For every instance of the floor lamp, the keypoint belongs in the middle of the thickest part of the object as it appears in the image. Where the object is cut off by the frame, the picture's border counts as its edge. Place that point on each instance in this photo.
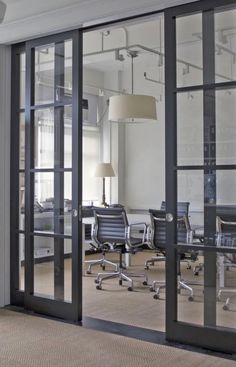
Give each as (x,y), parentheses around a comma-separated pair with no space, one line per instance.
(104,170)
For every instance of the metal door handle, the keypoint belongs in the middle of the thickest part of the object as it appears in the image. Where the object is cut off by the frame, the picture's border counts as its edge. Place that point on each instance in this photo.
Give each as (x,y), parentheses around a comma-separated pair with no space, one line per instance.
(75,213)
(169,217)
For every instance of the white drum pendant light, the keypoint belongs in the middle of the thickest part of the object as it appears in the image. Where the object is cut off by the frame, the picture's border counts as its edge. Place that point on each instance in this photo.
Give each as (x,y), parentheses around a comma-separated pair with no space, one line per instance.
(132,108)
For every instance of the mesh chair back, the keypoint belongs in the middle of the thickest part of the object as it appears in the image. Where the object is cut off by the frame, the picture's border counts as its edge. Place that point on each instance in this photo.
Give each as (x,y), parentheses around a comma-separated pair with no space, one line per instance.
(158,223)
(226,229)
(110,225)
(182,207)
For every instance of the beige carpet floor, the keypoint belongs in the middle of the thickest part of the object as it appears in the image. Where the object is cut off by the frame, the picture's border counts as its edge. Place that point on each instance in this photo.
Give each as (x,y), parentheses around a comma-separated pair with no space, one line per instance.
(27,341)
(138,308)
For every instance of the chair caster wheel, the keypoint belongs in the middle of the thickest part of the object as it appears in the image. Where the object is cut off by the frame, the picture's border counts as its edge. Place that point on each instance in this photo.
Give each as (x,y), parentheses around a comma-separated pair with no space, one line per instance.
(120,282)
(103,268)
(98,287)
(152,289)
(145,282)
(189,267)
(156,296)
(146,268)
(196,273)
(96,281)
(130,289)
(190,298)
(226,308)
(88,272)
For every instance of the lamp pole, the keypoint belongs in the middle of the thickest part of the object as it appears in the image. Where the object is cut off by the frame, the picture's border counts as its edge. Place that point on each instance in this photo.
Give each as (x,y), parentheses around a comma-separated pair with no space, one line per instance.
(103,193)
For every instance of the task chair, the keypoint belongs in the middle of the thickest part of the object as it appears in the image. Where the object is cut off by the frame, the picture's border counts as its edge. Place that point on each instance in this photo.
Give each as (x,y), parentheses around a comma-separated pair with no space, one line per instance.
(182,210)
(226,236)
(112,228)
(96,245)
(157,240)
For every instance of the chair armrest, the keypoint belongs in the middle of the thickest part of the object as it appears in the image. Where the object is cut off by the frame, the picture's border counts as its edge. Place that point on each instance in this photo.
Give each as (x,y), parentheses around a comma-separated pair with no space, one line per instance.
(144,225)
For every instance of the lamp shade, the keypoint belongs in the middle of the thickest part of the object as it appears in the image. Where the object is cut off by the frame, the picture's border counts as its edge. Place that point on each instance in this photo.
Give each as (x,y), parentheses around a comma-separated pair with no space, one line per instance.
(130,107)
(104,170)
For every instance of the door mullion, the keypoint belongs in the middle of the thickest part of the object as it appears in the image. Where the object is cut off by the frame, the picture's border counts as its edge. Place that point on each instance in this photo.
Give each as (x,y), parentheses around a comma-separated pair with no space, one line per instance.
(171,175)
(59,176)
(209,173)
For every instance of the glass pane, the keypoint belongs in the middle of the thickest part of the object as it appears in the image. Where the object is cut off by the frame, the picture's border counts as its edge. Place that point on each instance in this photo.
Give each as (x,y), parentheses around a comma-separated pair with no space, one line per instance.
(22,141)
(44,138)
(21,262)
(226,126)
(189,50)
(22,80)
(68,203)
(225,46)
(226,188)
(68,270)
(226,296)
(44,202)
(191,288)
(190,128)
(44,74)
(64,71)
(68,136)
(44,266)
(22,201)
(53,268)
(191,190)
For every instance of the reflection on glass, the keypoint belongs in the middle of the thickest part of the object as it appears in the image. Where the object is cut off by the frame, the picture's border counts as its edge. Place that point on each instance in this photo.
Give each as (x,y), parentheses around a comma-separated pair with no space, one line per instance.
(191,287)
(22,201)
(225,45)
(64,71)
(22,80)
(53,268)
(68,270)
(21,262)
(22,142)
(68,136)
(226,188)
(44,202)
(44,266)
(226,126)
(189,50)
(68,202)
(44,74)
(190,128)
(44,138)
(191,189)
(226,305)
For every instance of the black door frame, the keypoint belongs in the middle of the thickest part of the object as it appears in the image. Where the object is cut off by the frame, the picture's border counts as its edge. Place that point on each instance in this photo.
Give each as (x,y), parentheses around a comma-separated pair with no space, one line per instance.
(209,335)
(26,298)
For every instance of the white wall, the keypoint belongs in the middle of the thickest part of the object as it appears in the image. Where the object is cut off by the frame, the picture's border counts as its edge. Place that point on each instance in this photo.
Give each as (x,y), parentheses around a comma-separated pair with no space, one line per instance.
(5,78)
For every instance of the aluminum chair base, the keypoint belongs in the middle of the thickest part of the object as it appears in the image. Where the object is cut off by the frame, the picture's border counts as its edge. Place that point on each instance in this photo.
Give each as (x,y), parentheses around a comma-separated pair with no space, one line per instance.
(121,276)
(102,262)
(155,259)
(227,302)
(158,285)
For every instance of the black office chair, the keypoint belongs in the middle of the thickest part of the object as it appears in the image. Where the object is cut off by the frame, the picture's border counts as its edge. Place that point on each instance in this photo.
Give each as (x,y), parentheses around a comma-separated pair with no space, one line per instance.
(226,236)
(112,228)
(157,240)
(96,245)
(182,210)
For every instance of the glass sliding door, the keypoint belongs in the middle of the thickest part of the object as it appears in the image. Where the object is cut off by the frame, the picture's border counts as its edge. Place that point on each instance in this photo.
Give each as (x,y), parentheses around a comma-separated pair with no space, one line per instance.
(53,175)
(200,169)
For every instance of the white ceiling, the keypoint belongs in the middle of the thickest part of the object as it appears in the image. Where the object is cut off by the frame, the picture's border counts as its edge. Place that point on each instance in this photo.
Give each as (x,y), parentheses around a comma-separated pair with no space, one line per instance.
(27,19)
